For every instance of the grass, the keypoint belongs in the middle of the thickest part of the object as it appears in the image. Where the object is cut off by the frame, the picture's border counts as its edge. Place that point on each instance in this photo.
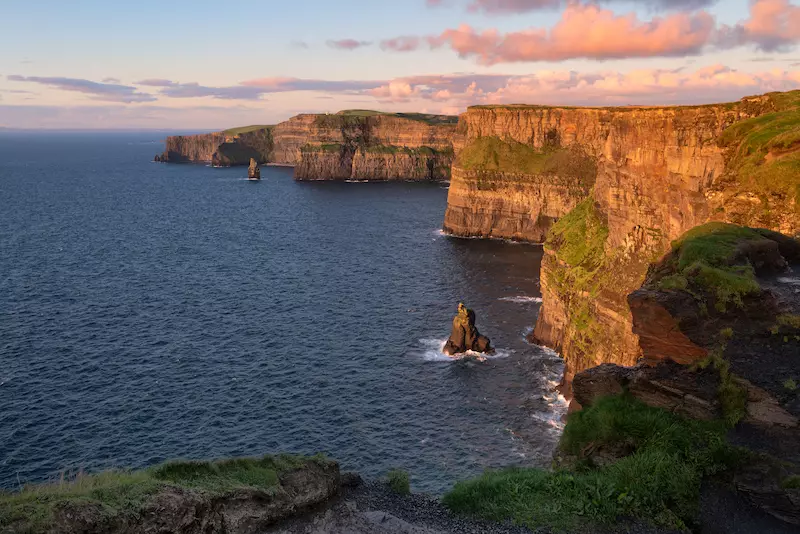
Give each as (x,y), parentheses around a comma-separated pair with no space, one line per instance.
(792,482)
(659,482)
(124,493)
(246,129)
(399,481)
(495,154)
(764,152)
(790,384)
(731,395)
(327,147)
(708,258)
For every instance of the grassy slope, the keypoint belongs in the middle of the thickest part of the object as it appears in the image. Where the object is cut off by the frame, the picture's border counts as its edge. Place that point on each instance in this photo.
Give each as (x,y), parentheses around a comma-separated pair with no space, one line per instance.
(659,482)
(765,150)
(705,259)
(495,154)
(427,118)
(246,129)
(125,492)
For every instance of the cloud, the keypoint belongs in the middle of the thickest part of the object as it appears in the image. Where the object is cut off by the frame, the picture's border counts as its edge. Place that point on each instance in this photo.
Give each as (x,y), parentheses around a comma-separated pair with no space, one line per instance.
(405,43)
(639,87)
(284,85)
(110,80)
(299,44)
(109,92)
(506,7)
(348,44)
(774,25)
(585,32)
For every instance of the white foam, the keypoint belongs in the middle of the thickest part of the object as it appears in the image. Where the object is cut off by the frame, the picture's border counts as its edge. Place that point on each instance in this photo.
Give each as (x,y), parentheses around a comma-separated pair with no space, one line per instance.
(523,299)
(432,352)
(790,281)
(440,233)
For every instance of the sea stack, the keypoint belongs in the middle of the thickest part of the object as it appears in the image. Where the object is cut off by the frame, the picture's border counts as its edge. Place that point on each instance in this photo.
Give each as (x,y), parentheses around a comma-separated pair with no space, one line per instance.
(465,336)
(254,172)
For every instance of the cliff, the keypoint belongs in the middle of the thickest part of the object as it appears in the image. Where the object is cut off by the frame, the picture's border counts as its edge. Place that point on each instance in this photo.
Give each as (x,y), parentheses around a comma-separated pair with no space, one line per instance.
(659,173)
(506,189)
(372,145)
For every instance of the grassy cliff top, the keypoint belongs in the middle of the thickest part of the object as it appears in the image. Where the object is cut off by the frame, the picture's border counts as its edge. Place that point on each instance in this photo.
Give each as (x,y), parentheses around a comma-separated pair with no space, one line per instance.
(125,492)
(776,100)
(246,129)
(764,152)
(715,259)
(427,118)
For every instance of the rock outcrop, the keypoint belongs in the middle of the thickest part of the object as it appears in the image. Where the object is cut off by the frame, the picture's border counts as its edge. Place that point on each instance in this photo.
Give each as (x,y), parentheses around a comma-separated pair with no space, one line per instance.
(254,172)
(717,322)
(465,336)
(350,145)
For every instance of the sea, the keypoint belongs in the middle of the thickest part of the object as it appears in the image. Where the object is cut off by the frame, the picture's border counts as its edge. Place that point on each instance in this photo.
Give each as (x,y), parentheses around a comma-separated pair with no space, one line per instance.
(151,312)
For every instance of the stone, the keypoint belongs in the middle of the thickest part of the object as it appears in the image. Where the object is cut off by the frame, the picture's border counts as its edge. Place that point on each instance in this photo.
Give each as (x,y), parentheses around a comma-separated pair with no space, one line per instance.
(465,336)
(254,172)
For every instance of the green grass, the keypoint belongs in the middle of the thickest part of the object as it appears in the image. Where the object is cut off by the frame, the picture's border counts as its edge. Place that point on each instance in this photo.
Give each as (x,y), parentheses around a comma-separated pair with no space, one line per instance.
(391,149)
(580,237)
(328,147)
(246,129)
(399,481)
(790,384)
(123,492)
(659,482)
(708,258)
(765,150)
(495,154)
(792,482)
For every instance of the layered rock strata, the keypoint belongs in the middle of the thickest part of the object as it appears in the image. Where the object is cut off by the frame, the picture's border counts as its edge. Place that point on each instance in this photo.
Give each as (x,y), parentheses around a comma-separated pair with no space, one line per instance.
(349,145)
(659,172)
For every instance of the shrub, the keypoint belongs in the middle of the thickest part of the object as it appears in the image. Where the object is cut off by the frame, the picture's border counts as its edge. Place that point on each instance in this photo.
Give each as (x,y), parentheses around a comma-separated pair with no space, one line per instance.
(399,481)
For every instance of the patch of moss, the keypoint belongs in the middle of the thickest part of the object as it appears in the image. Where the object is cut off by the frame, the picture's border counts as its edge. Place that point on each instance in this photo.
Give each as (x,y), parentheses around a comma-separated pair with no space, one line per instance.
(580,236)
(792,482)
(732,396)
(124,493)
(659,482)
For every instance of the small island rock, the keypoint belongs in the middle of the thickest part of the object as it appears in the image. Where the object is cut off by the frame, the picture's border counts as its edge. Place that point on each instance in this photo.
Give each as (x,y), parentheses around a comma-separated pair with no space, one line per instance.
(465,335)
(254,172)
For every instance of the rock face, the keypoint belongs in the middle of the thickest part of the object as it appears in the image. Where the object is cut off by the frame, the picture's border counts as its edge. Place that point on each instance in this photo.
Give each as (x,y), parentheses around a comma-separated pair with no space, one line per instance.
(465,335)
(343,146)
(659,173)
(254,172)
(374,147)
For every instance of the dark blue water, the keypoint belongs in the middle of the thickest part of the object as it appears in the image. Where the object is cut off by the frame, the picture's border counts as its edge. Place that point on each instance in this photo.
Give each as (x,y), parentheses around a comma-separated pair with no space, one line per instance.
(150,312)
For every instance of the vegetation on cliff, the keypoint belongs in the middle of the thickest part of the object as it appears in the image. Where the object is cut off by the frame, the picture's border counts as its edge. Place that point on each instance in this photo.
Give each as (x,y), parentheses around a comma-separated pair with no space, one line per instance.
(123,494)
(764,153)
(246,129)
(665,458)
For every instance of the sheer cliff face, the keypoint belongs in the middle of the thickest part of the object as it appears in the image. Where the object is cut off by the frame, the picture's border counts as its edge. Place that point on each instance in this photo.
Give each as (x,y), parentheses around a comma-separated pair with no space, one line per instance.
(342,147)
(380,147)
(192,148)
(660,172)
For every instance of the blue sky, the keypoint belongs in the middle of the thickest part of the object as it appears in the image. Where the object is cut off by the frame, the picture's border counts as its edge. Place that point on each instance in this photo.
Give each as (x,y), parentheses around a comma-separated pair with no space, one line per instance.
(79,64)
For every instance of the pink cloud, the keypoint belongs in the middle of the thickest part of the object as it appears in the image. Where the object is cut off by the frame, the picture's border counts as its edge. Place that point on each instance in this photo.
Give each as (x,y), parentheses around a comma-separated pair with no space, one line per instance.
(716,83)
(586,32)
(773,25)
(405,43)
(348,44)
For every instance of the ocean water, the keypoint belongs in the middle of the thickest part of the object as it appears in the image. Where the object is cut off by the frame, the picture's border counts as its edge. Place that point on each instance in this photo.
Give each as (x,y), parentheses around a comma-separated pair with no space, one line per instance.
(151,312)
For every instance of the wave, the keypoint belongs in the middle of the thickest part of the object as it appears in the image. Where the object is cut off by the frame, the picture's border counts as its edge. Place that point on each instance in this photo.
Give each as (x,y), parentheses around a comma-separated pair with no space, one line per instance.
(431,351)
(523,299)
(789,280)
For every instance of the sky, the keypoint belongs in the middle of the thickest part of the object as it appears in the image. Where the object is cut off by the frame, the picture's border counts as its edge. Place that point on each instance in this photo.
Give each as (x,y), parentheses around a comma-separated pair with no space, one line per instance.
(209,65)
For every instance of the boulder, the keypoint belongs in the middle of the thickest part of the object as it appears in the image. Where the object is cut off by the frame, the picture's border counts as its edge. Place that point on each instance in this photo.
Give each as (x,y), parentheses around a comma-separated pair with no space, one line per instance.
(254,172)
(465,335)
